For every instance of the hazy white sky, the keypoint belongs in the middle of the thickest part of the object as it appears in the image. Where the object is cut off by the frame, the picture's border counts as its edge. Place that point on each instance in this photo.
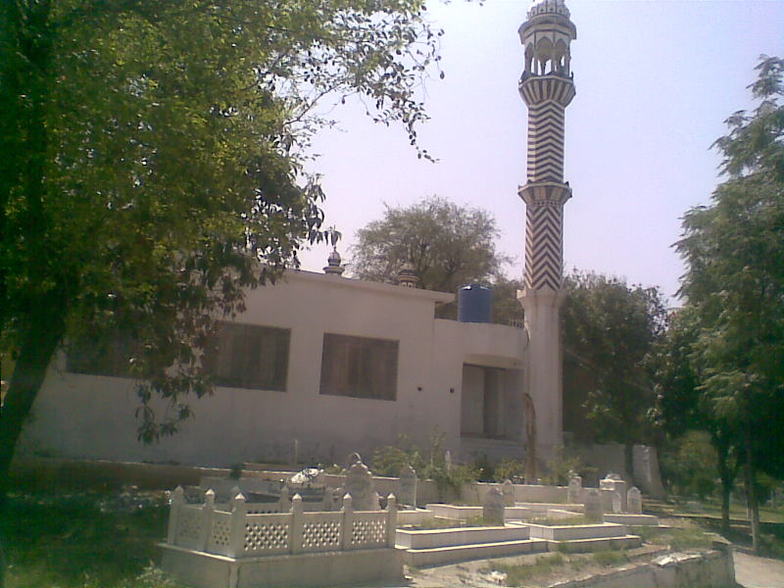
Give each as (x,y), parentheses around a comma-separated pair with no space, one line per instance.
(655,81)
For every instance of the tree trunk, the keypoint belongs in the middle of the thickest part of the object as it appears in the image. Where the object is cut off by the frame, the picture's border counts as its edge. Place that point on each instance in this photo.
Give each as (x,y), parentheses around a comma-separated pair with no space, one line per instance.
(751,492)
(727,476)
(35,354)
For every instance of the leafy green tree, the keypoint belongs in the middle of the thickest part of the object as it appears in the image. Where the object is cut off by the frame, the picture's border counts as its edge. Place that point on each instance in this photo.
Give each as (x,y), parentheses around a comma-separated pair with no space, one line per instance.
(609,329)
(682,410)
(735,282)
(507,309)
(446,245)
(152,168)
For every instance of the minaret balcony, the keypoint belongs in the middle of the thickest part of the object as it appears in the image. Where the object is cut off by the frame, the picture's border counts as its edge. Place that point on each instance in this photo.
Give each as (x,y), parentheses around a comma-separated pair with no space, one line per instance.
(545,193)
(557,87)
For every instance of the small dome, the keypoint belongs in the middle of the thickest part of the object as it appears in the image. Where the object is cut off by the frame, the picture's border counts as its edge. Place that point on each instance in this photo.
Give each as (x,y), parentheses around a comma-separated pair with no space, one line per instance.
(549,7)
(407,276)
(333,264)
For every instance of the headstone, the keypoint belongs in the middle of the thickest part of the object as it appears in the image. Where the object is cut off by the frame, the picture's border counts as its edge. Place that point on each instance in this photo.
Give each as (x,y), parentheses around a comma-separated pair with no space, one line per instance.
(407,486)
(606,498)
(493,507)
(617,504)
(634,500)
(575,490)
(507,489)
(359,483)
(284,502)
(593,506)
(614,483)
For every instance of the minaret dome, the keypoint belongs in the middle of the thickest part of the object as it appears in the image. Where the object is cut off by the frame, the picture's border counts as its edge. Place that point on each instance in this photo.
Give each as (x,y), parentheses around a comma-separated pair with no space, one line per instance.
(546,35)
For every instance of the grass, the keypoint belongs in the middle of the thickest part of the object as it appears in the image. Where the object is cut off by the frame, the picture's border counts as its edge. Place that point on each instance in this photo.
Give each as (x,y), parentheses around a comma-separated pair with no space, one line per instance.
(609,558)
(678,539)
(516,575)
(768,514)
(84,540)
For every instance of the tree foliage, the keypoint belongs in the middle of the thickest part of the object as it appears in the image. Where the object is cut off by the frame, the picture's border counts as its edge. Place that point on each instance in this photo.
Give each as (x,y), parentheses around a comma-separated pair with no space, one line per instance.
(446,245)
(609,329)
(734,284)
(152,167)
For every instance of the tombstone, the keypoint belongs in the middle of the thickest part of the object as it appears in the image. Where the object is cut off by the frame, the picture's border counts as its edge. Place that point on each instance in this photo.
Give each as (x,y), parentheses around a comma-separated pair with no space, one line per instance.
(327,501)
(575,490)
(606,499)
(617,503)
(593,506)
(507,489)
(284,502)
(359,483)
(407,486)
(614,483)
(634,500)
(493,507)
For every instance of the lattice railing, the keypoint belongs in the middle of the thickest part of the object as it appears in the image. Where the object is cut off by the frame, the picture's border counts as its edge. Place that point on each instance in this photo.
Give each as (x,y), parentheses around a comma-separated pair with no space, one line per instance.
(236,532)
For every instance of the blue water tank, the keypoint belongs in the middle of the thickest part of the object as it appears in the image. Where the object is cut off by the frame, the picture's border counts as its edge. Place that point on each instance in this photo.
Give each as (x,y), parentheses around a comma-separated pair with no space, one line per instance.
(474,304)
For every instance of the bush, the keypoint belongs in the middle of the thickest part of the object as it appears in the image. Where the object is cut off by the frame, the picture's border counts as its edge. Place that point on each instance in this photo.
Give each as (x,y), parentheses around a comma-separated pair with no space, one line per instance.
(690,466)
(390,459)
(510,469)
(560,467)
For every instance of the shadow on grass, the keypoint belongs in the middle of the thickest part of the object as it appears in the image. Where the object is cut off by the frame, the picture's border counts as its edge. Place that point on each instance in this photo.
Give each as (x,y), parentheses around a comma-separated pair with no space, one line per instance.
(83,539)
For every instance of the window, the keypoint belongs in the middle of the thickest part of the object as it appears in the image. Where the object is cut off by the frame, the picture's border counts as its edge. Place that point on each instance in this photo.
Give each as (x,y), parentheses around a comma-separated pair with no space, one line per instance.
(250,356)
(102,356)
(359,367)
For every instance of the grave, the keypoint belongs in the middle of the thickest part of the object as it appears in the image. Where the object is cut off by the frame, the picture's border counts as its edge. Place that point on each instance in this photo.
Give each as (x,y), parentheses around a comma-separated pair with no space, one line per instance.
(493,508)
(209,547)
(359,484)
(593,510)
(407,486)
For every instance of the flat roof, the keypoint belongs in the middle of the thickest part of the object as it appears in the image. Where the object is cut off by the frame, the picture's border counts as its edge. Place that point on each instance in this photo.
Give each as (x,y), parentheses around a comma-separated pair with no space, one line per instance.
(378,287)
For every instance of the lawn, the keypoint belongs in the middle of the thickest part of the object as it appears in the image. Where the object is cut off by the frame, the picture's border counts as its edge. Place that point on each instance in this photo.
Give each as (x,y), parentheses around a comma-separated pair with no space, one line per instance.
(768,514)
(84,540)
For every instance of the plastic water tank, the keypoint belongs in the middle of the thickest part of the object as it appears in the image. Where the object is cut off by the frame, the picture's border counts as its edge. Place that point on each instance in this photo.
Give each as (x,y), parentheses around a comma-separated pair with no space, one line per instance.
(474,304)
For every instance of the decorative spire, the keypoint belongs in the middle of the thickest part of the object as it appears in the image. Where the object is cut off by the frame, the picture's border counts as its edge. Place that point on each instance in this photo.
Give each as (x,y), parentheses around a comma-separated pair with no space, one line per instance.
(333,266)
(549,7)
(407,276)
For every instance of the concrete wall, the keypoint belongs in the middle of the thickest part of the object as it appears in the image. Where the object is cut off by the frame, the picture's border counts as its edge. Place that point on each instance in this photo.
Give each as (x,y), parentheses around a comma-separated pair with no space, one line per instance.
(610,458)
(678,570)
(84,416)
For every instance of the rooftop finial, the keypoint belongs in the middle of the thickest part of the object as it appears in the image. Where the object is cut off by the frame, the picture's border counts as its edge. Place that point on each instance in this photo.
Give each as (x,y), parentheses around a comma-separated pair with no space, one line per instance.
(334,266)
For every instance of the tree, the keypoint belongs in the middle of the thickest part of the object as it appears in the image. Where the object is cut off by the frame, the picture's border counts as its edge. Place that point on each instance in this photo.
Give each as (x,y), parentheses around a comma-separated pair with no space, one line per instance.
(152,168)
(609,329)
(446,245)
(735,282)
(682,409)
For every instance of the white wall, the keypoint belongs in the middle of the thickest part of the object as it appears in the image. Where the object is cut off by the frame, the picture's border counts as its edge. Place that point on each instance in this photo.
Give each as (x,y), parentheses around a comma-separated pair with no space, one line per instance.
(79,415)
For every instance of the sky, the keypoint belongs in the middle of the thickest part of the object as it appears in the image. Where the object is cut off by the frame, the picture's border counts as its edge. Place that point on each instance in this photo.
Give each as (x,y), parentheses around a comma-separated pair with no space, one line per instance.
(655,80)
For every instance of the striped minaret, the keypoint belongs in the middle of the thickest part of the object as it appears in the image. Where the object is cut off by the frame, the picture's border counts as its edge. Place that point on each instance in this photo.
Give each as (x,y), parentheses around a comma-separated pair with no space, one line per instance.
(547,87)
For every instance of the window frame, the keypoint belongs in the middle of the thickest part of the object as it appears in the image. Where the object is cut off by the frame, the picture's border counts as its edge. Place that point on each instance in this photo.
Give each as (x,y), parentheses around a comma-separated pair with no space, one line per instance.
(233,364)
(359,367)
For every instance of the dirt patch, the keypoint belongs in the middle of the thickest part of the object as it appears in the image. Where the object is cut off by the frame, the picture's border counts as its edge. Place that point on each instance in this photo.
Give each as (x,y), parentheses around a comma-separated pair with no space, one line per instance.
(540,569)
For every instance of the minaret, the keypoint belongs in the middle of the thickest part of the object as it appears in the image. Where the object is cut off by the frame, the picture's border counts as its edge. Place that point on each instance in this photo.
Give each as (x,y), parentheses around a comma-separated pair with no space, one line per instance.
(547,88)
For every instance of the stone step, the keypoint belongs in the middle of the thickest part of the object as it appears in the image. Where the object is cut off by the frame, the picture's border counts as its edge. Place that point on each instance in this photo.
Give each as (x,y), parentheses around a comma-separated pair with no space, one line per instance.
(456,553)
(434,538)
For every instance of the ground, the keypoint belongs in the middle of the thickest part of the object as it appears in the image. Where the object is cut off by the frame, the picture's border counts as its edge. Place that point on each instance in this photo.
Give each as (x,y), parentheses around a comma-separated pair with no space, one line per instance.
(758,572)
(106,539)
